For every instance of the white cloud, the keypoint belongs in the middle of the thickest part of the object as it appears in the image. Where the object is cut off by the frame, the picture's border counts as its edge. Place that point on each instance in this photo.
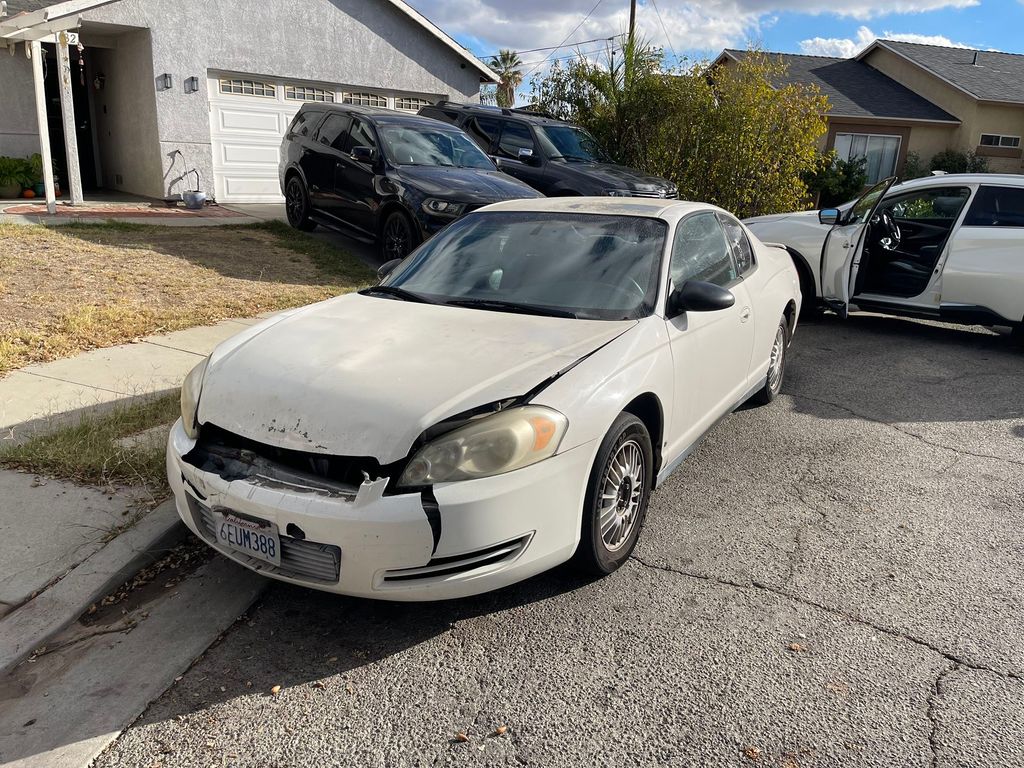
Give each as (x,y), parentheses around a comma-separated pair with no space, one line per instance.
(703,26)
(845,48)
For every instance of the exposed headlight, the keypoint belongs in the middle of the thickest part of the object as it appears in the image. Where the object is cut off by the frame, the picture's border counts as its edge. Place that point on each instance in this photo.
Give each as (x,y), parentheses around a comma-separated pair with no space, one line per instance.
(439,207)
(190,391)
(672,192)
(491,445)
(618,193)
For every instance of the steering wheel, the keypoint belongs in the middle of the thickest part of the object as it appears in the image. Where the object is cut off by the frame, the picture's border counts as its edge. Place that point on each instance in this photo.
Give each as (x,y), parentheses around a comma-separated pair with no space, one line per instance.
(891,237)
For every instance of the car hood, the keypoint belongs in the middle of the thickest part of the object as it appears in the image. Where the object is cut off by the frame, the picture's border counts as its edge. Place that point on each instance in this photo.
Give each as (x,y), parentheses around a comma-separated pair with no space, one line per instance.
(366,375)
(611,176)
(466,185)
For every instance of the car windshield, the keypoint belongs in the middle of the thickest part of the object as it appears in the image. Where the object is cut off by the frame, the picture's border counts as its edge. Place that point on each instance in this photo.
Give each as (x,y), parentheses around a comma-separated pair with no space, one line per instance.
(407,145)
(580,265)
(567,142)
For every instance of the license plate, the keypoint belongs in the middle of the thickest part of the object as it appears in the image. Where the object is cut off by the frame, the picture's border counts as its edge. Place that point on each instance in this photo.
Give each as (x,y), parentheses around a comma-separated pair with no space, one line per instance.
(259,540)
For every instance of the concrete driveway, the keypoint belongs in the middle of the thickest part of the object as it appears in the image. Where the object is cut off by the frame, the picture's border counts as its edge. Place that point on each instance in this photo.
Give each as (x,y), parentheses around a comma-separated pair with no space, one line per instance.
(836,579)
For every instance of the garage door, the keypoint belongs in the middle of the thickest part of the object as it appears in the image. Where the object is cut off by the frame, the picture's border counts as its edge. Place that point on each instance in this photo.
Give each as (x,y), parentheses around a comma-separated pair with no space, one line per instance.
(249,115)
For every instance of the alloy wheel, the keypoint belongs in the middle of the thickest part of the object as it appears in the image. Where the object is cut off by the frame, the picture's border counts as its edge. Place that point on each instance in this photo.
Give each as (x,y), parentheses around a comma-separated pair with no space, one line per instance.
(777,359)
(397,238)
(622,492)
(294,202)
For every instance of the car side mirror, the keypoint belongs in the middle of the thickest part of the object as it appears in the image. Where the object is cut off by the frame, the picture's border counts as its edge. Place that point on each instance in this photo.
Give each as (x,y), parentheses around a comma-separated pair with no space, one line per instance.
(364,154)
(829,216)
(387,268)
(526,155)
(699,296)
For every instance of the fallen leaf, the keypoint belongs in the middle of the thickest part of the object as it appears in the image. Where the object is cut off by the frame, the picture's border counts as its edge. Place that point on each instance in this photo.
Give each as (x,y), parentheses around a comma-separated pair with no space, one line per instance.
(752,753)
(796,647)
(275,690)
(460,736)
(350,688)
(319,684)
(500,730)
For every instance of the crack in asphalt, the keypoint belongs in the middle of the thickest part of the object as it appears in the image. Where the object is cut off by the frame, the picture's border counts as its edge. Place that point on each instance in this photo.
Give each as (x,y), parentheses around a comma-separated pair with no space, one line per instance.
(903,430)
(757,585)
(933,698)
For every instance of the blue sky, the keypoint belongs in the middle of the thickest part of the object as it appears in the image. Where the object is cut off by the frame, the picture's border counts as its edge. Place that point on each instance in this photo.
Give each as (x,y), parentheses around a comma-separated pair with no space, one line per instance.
(699,29)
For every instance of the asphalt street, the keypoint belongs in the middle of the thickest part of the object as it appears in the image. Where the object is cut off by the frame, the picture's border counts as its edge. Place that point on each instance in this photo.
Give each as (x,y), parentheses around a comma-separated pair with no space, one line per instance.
(835,579)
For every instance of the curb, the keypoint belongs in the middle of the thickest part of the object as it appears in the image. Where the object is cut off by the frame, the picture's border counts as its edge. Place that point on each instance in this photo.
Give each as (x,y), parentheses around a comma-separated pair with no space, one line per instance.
(33,624)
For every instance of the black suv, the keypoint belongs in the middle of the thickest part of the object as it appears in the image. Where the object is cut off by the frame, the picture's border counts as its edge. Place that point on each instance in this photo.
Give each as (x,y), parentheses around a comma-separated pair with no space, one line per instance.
(397,178)
(551,156)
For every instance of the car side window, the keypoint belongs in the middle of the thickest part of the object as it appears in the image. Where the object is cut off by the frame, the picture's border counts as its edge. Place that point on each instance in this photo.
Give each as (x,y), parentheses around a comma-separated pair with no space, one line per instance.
(740,244)
(997,207)
(514,136)
(701,252)
(484,131)
(359,135)
(304,122)
(933,204)
(334,131)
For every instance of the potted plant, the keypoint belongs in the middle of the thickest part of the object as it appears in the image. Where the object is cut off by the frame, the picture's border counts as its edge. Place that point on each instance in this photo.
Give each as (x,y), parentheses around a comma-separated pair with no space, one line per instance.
(14,174)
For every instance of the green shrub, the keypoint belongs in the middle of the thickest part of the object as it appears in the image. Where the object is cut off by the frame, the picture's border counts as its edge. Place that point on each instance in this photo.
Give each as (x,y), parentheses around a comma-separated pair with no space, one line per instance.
(15,170)
(837,181)
(954,161)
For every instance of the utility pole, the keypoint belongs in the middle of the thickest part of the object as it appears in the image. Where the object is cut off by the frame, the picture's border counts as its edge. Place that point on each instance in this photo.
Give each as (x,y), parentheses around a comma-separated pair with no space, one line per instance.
(632,22)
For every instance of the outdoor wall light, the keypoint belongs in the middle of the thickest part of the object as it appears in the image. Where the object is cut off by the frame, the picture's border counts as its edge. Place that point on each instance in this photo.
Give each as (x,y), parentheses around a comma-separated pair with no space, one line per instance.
(166,81)
(192,85)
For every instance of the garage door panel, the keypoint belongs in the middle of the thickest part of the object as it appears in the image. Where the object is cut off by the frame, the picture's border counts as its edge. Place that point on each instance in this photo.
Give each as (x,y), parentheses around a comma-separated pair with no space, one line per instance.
(256,121)
(231,153)
(251,186)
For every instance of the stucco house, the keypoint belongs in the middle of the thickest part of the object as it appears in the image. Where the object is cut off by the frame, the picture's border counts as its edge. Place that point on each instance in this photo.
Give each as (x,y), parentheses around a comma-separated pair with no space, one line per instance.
(164,87)
(895,98)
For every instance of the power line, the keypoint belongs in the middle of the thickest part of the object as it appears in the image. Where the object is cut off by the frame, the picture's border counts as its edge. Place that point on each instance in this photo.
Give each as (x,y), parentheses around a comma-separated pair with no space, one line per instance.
(584,20)
(665,30)
(570,56)
(549,48)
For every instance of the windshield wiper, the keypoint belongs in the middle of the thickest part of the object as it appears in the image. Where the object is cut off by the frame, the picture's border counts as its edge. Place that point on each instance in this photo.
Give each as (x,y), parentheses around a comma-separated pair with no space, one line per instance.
(397,293)
(510,306)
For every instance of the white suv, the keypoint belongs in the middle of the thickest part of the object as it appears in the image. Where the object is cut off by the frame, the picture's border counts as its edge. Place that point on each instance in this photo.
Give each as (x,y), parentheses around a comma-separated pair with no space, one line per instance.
(949,247)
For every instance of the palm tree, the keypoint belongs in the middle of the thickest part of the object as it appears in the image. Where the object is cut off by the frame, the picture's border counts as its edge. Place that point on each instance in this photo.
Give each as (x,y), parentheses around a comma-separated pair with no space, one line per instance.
(507,64)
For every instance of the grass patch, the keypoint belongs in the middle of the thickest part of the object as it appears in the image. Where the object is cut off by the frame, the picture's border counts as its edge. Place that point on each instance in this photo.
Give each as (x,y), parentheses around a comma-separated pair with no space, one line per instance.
(67,289)
(91,450)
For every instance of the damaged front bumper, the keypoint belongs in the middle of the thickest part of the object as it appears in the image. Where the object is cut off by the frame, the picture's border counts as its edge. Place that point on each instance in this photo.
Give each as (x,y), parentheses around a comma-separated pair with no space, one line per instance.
(462,539)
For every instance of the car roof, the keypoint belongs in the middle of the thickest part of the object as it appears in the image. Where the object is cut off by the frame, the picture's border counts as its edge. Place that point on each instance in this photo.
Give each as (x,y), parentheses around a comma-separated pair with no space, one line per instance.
(945,179)
(379,114)
(529,115)
(669,210)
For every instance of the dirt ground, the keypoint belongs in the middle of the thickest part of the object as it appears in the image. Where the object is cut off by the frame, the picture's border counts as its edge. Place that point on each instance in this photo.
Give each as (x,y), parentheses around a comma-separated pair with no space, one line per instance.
(78,287)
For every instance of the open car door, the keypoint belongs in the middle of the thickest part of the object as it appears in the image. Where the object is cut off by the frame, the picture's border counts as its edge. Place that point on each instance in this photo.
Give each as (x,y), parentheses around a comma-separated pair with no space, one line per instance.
(844,245)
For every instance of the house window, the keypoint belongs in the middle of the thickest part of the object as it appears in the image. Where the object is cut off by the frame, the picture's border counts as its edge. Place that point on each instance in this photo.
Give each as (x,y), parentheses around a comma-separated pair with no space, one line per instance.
(996,140)
(303,93)
(365,99)
(247,87)
(880,152)
(410,103)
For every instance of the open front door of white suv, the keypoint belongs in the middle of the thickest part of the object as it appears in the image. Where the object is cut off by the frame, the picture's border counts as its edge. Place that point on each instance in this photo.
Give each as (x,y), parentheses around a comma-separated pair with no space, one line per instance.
(841,253)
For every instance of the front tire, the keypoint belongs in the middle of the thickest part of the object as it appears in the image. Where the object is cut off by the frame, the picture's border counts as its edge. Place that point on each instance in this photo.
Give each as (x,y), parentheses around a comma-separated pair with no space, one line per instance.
(398,237)
(296,205)
(617,497)
(776,366)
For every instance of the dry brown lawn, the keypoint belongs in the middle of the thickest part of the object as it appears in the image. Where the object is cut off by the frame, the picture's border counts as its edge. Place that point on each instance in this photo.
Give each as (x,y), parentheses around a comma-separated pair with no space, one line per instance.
(67,289)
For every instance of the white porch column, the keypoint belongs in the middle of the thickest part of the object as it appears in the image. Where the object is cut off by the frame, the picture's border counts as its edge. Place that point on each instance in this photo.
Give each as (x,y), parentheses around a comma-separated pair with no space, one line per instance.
(67,108)
(44,132)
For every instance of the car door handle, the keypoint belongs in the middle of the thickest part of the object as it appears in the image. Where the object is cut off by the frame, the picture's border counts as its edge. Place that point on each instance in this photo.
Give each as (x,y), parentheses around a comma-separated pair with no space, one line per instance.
(744,314)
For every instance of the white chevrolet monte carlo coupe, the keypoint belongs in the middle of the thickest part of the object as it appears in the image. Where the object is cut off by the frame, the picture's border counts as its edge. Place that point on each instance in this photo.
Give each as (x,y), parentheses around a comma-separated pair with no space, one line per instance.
(945,247)
(508,395)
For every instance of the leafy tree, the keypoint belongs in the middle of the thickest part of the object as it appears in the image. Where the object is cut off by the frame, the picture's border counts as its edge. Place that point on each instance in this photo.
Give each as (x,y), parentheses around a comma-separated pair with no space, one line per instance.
(836,181)
(507,64)
(734,136)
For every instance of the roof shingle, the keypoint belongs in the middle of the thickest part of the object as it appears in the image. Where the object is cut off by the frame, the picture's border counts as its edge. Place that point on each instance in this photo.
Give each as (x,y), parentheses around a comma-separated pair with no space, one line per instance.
(995,76)
(855,89)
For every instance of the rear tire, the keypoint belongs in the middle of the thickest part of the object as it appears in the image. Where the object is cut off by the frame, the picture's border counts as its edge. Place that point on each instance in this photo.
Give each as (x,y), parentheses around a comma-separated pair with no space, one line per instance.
(617,497)
(776,366)
(296,205)
(397,236)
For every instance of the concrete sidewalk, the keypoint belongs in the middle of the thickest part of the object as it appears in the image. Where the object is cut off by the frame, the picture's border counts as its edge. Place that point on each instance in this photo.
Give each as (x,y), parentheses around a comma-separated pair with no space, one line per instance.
(31,395)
